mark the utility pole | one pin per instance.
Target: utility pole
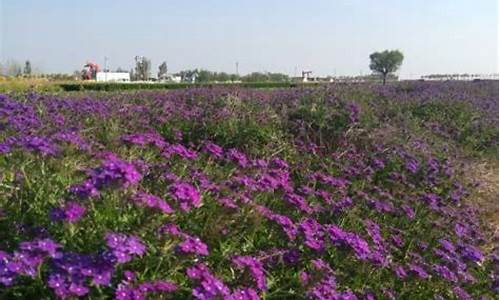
(105, 68)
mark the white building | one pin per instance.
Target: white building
(170, 78)
(113, 76)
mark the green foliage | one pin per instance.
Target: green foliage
(31, 184)
(321, 123)
(205, 76)
(95, 86)
(460, 122)
(386, 62)
(241, 130)
(265, 77)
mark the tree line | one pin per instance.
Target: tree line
(142, 72)
(384, 64)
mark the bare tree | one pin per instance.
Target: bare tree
(162, 69)
(132, 74)
(142, 68)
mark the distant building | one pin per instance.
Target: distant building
(113, 76)
(306, 76)
(190, 77)
(170, 78)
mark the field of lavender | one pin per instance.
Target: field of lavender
(343, 191)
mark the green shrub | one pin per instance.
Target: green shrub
(95, 86)
(321, 123)
(461, 122)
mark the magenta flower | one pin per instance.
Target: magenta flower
(73, 211)
(124, 247)
(186, 194)
(189, 244)
(255, 267)
(209, 287)
(152, 201)
(214, 150)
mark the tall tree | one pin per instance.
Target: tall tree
(204, 76)
(142, 68)
(162, 69)
(27, 68)
(386, 62)
(132, 74)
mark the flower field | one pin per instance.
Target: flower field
(332, 192)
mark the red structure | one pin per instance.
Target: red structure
(89, 71)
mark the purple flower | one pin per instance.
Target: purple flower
(179, 150)
(291, 257)
(163, 286)
(460, 230)
(214, 150)
(313, 233)
(114, 172)
(373, 230)
(359, 245)
(39, 144)
(461, 293)
(400, 272)
(471, 253)
(412, 166)
(299, 202)
(408, 210)
(227, 202)
(145, 288)
(186, 194)
(193, 245)
(445, 273)
(189, 244)
(418, 270)
(304, 277)
(279, 163)
(143, 139)
(69, 273)
(78, 289)
(378, 164)
(124, 247)
(152, 201)
(340, 237)
(237, 156)
(72, 138)
(447, 245)
(27, 259)
(244, 294)
(210, 287)
(432, 200)
(286, 224)
(325, 289)
(73, 211)
(255, 267)
(84, 190)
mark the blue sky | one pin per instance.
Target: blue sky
(327, 36)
